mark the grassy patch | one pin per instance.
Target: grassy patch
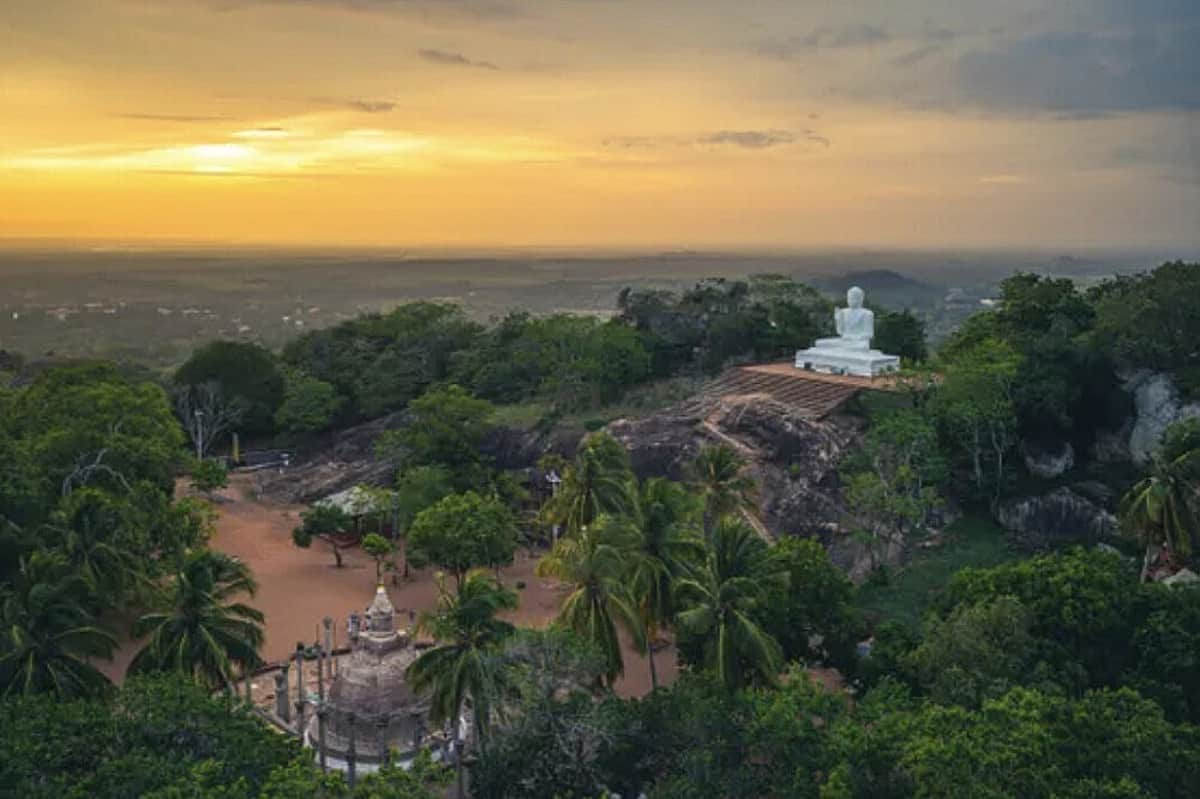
(637, 401)
(873, 404)
(521, 414)
(971, 541)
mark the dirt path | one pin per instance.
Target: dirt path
(299, 587)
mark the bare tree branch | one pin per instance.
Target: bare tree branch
(84, 471)
(205, 414)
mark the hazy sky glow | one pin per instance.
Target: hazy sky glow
(757, 123)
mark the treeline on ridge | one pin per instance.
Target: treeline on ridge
(377, 363)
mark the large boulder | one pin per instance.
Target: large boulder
(1059, 517)
(1046, 462)
(1157, 406)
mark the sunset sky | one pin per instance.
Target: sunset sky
(705, 123)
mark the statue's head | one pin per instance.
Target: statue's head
(854, 297)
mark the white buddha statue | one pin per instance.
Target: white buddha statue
(850, 352)
(855, 324)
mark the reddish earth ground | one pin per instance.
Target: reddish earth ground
(299, 587)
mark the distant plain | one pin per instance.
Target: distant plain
(153, 305)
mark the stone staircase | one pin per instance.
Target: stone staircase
(812, 394)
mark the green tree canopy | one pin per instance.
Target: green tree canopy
(1067, 388)
(380, 362)
(718, 476)
(309, 405)
(164, 737)
(463, 665)
(247, 373)
(1149, 322)
(197, 628)
(975, 409)
(209, 476)
(901, 333)
(720, 606)
(812, 613)
(48, 638)
(88, 425)
(463, 532)
(323, 520)
(445, 428)
(594, 564)
(597, 482)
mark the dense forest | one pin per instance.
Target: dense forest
(1067, 673)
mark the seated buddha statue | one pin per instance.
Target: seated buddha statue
(855, 325)
(850, 352)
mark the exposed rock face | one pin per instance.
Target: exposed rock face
(1048, 464)
(517, 448)
(1158, 406)
(342, 460)
(1062, 516)
(794, 460)
(347, 458)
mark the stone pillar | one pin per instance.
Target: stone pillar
(322, 714)
(321, 675)
(381, 729)
(418, 731)
(282, 708)
(300, 691)
(351, 749)
(248, 677)
(327, 623)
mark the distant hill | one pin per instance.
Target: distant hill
(885, 287)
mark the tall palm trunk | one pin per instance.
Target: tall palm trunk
(1152, 553)
(650, 657)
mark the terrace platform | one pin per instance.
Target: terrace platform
(814, 395)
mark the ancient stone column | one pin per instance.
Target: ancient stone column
(321, 674)
(300, 690)
(351, 749)
(322, 714)
(327, 622)
(282, 708)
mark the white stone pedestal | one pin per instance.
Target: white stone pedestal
(839, 361)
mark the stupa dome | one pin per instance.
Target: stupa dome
(370, 699)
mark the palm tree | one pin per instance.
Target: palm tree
(84, 530)
(462, 666)
(719, 602)
(596, 483)
(663, 547)
(195, 629)
(1161, 509)
(717, 475)
(594, 563)
(47, 635)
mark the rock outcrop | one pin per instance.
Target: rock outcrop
(339, 461)
(348, 458)
(1158, 406)
(1059, 517)
(792, 458)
